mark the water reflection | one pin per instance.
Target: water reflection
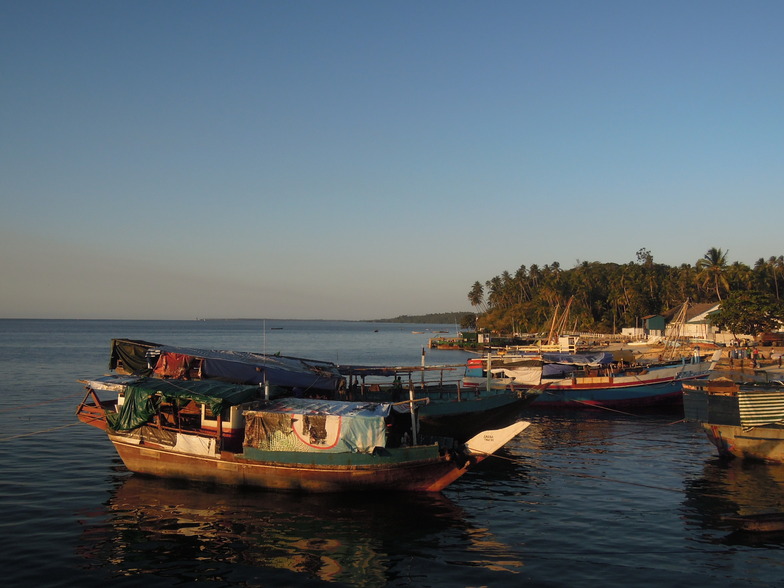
(729, 488)
(186, 531)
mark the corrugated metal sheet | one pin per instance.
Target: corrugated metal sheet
(759, 408)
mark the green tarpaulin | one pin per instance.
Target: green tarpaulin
(131, 354)
(143, 398)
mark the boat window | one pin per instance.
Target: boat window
(208, 416)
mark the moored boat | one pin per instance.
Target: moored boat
(215, 432)
(743, 421)
(451, 411)
(593, 379)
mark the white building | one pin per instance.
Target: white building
(696, 325)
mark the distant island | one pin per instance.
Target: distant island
(438, 318)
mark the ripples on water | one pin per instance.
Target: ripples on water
(580, 499)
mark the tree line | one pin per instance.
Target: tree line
(435, 318)
(606, 297)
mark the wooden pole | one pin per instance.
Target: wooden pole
(413, 415)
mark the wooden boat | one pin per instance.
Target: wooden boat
(215, 432)
(450, 412)
(575, 380)
(742, 420)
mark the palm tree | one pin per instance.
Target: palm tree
(477, 296)
(777, 263)
(772, 267)
(711, 269)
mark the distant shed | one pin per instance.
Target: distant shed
(653, 323)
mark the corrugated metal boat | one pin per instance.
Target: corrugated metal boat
(223, 433)
(742, 420)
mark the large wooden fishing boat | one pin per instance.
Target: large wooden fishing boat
(209, 431)
(451, 410)
(744, 421)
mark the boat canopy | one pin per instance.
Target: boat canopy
(598, 358)
(560, 364)
(240, 367)
(144, 397)
(311, 425)
(257, 368)
(132, 354)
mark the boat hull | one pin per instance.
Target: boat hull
(412, 469)
(740, 421)
(649, 395)
(635, 387)
(757, 443)
(461, 420)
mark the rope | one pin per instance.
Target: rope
(591, 405)
(588, 476)
(30, 434)
(585, 402)
(40, 403)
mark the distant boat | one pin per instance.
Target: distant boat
(227, 434)
(743, 421)
(576, 380)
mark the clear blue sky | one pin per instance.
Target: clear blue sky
(352, 160)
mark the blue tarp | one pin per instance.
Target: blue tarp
(306, 425)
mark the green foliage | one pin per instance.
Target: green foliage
(606, 297)
(439, 318)
(750, 312)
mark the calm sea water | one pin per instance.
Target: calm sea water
(580, 499)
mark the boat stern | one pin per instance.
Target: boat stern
(488, 442)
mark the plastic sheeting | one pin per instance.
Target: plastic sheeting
(143, 398)
(173, 365)
(256, 368)
(131, 355)
(557, 365)
(305, 425)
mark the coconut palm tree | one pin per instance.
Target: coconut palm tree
(777, 263)
(477, 296)
(711, 269)
(773, 267)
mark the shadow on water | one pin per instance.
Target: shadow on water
(167, 529)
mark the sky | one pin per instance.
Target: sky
(358, 160)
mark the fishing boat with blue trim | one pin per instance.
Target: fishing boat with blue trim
(599, 379)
